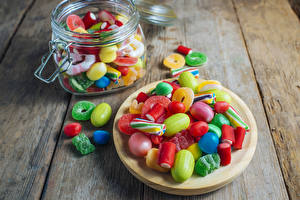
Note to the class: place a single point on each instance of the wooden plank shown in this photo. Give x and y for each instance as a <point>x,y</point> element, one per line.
<point>272,34</point>
<point>31,111</point>
<point>11,14</point>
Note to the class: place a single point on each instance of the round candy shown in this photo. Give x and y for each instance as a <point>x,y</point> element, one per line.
<point>219,119</point>
<point>221,95</point>
<point>176,107</point>
<point>195,59</point>
<point>187,79</point>
<point>214,129</point>
<point>107,56</point>
<point>101,114</point>
<point>74,21</point>
<point>124,123</point>
<point>202,111</point>
<point>174,61</point>
<point>139,144</point>
<point>198,129</point>
<point>96,71</point>
<point>101,137</point>
<point>151,101</point>
<point>135,107</point>
<point>72,129</point>
<point>82,110</point>
<point>103,82</point>
<point>184,95</point>
<point>209,143</point>
<point>221,106</point>
<point>163,89</point>
<point>176,123</point>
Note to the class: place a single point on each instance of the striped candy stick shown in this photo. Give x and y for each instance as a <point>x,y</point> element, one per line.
<point>235,119</point>
<point>113,74</point>
<point>177,72</point>
<point>147,126</point>
<point>206,97</point>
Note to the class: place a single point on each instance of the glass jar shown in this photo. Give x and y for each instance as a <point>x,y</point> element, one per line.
<point>91,62</point>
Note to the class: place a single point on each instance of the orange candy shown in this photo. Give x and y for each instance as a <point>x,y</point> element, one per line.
<point>174,61</point>
<point>184,95</point>
<point>130,77</point>
<point>135,107</point>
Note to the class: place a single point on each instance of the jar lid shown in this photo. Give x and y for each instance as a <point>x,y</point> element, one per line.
<point>154,12</point>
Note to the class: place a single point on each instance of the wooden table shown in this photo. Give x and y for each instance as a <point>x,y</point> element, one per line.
<point>253,48</point>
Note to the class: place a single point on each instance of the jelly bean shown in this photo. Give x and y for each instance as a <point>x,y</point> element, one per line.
<point>155,112</point>
<point>187,79</point>
<point>101,137</point>
<point>104,15</point>
<point>221,106</point>
<point>82,110</point>
<point>239,134</point>
<point>124,123</point>
<point>142,97</point>
<point>89,19</point>
<point>183,167</point>
<point>135,107</point>
<point>74,21</point>
<point>219,119</point>
<point>202,111</point>
<point>152,160</point>
<point>184,95</point>
<point>103,82</point>
<point>198,129</point>
<point>228,134</point>
<point>130,77</point>
<point>80,30</point>
<point>224,151</point>
<point>148,127</point>
<point>207,164</point>
<point>163,89</point>
<point>183,50</point>
<point>113,74</point>
<point>195,150</point>
<point>214,129</point>
<point>176,123</point>
<point>96,71</point>
<point>221,95</point>
<point>72,129</point>
<point>80,82</point>
<point>195,59</point>
<point>139,144</point>
<point>177,72</point>
<point>174,61</point>
<point>208,85</point>
<point>176,107</point>
<point>107,56</point>
<point>101,114</point>
<point>83,144</point>
<point>166,154</point>
<point>209,142</point>
<point>123,69</point>
<point>235,118</point>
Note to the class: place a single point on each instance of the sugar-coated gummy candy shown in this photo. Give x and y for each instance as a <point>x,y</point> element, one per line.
<point>82,110</point>
<point>208,143</point>
<point>152,160</point>
<point>214,129</point>
<point>224,151</point>
<point>239,134</point>
<point>207,164</point>
<point>221,95</point>
<point>80,82</point>
<point>163,89</point>
<point>124,123</point>
<point>101,115</point>
<point>195,59</point>
<point>208,85</point>
<point>228,134</point>
<point>151,101</point>
<point>156,139</point>
<point>74,21</point>
<point>147,126</point>
<point>235,119</point>
<point>183,166</point>
<point>184,95</point>
<point>83,144</point>
<point>96,71</point>
<point>174,61</point>
<point>202,111</point>
<point>72,129</point>
<point>103,82</point>
<point>220,119</point>
<point>167,154</point>
<point>187,79</point>
<point>130,77</point>
<point>135,107</point>
<point>195,150</point>
<point>101,137</point>
<point>198,128</point>
<point>176,123</point>
<point>139,144</point>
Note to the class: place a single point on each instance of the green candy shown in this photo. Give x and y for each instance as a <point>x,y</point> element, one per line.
<point>215,129</point>
<point>80,82</point>
<point>83,144</point>
<point>195,59</point>
<point>95,27</point>
<point>176,123</point>
<point>183,166</point>
<point>221,95</point>
<point>207,164</point>
<point>163,89</point>
<point>219,119</point>
<point>101,115</point>
<point>82,110</point>
<point>187,79</point>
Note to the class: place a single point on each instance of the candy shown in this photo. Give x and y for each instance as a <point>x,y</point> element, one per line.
<point>235,118</point>
<point>135,107</point>
<point>74,21</point>
<point>72,129</point>
<point>184,95</point>
<point>156,139</point>
<point>195,150</point>
<point>103,82</point>
<point>132,48</point>
<point>130,77</point>
<point>228,134</point>
<point>122,18</point>
<point>95,27</point>
<point>239,134</point>
<point>104,15</point>
<point>195,59</point>
<point>184,139</point>
<point>101,137</point>
<point>206,97</point>
<point>123,69</point>
<point>124,123</point>
<point>221,106</point>
<point>152,160</point>
<point>183,50</point>
<point>221,95</point>
<point>83,144</point>
<point>89,19</point>
<point>208,85</point>
<point>214,129</point>
<point>140,72</point>
<point>81,66</point>
<point>207,164</point>
<point>163,89</point>
<point>147,126</point>
<point>187,79</point>
<point>224,151</point>
<point>113,74</point>
<point>183,167</point>
<point>151,101</point>
<point>96,71</point>
<point>198,129</point>
<point>174,61</point>
<point>142,97</point>
<point>176,107</point>
<point>166,154</point>
<point>139,144</point>
<point>209,142</point>
<point>156,111</point>
<point>174,85</point>
<point>101,114</point>
<point>108,54</point>
<point>82,110</point>
<point>176,123</point>
<point>80,83</point>
<point>125,61</point>
<point>202,111</point>
<point>219,119</point>
<point>192,70</point>
<point>80,30</point>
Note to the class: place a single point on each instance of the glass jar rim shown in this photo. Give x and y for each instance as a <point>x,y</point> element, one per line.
<point>104,38</point>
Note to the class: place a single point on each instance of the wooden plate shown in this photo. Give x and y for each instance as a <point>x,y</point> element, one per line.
<point>194,185</point>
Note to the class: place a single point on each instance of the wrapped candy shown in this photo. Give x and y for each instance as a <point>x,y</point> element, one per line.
<point>235,118</point>
<point>147,126</point>
<point>177,72</point>
<point>83,144</point>
<point>206,97</point>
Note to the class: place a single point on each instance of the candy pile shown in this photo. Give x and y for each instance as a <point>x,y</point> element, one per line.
<point>100,68</point>
<point>99,116</point>
<point>184,126</point>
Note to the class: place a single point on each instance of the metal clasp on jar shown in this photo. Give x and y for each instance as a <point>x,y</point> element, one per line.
<point>54,46</point>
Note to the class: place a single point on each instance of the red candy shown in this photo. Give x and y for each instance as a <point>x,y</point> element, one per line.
<point>183,50</point>
<point>118,23</point>
<point>176,107</point>
<point>72,129</point>
<point>199,128</point>
<point>104,15</point>
<point>125,61</point>
<point>166,154</point>
<point>142,97</point>
<point>139,144</point>
<point>124,123</point>
<point>74,21</point>
<point>123,69</point>
<point>239,133</point>
<point>221,106</point>
<point>228,134</point>
<point>155,112</point>
<point>156,139</point>
<point>224,151</point>
<point>151,101</point>
<point>89,19</point>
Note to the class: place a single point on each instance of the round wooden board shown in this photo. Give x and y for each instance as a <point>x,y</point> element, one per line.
<point>194,185</point>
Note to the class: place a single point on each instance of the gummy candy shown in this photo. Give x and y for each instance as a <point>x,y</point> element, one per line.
<point>151,101</point>
<point>80,83</point>
<point>184,95</point>
<point>74,21</point>
<point>174,61</point>
<point>135,107</point>
<point>124,123</point>
<point>82,110</point>
<point>83,144</point>
<point>195,59</point>
<point>208,85</point>
<point>207,164</point>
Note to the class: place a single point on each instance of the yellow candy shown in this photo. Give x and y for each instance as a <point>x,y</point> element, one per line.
<point>184,95</point>
<point>152,160</point>
<point>96,71</point>
<point>138,37</point>
<point>80,30</point>
<point>107,56</point>
<point>174,61</point>
<point>195,150</point>
<point>113,74</point>
<point>122,18</point>
<point>208,85</point>
<point>130,77</point>
<point>109,49</point>
<point>135,107</point>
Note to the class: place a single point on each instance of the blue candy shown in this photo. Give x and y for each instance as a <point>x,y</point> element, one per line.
<point>103,82</point>
<point>208,143</point>
<point>101,137</point>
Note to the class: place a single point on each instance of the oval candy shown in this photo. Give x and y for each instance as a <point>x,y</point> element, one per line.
<point>176,123</point>
<point>101,114</point>
<point>183,166</point>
